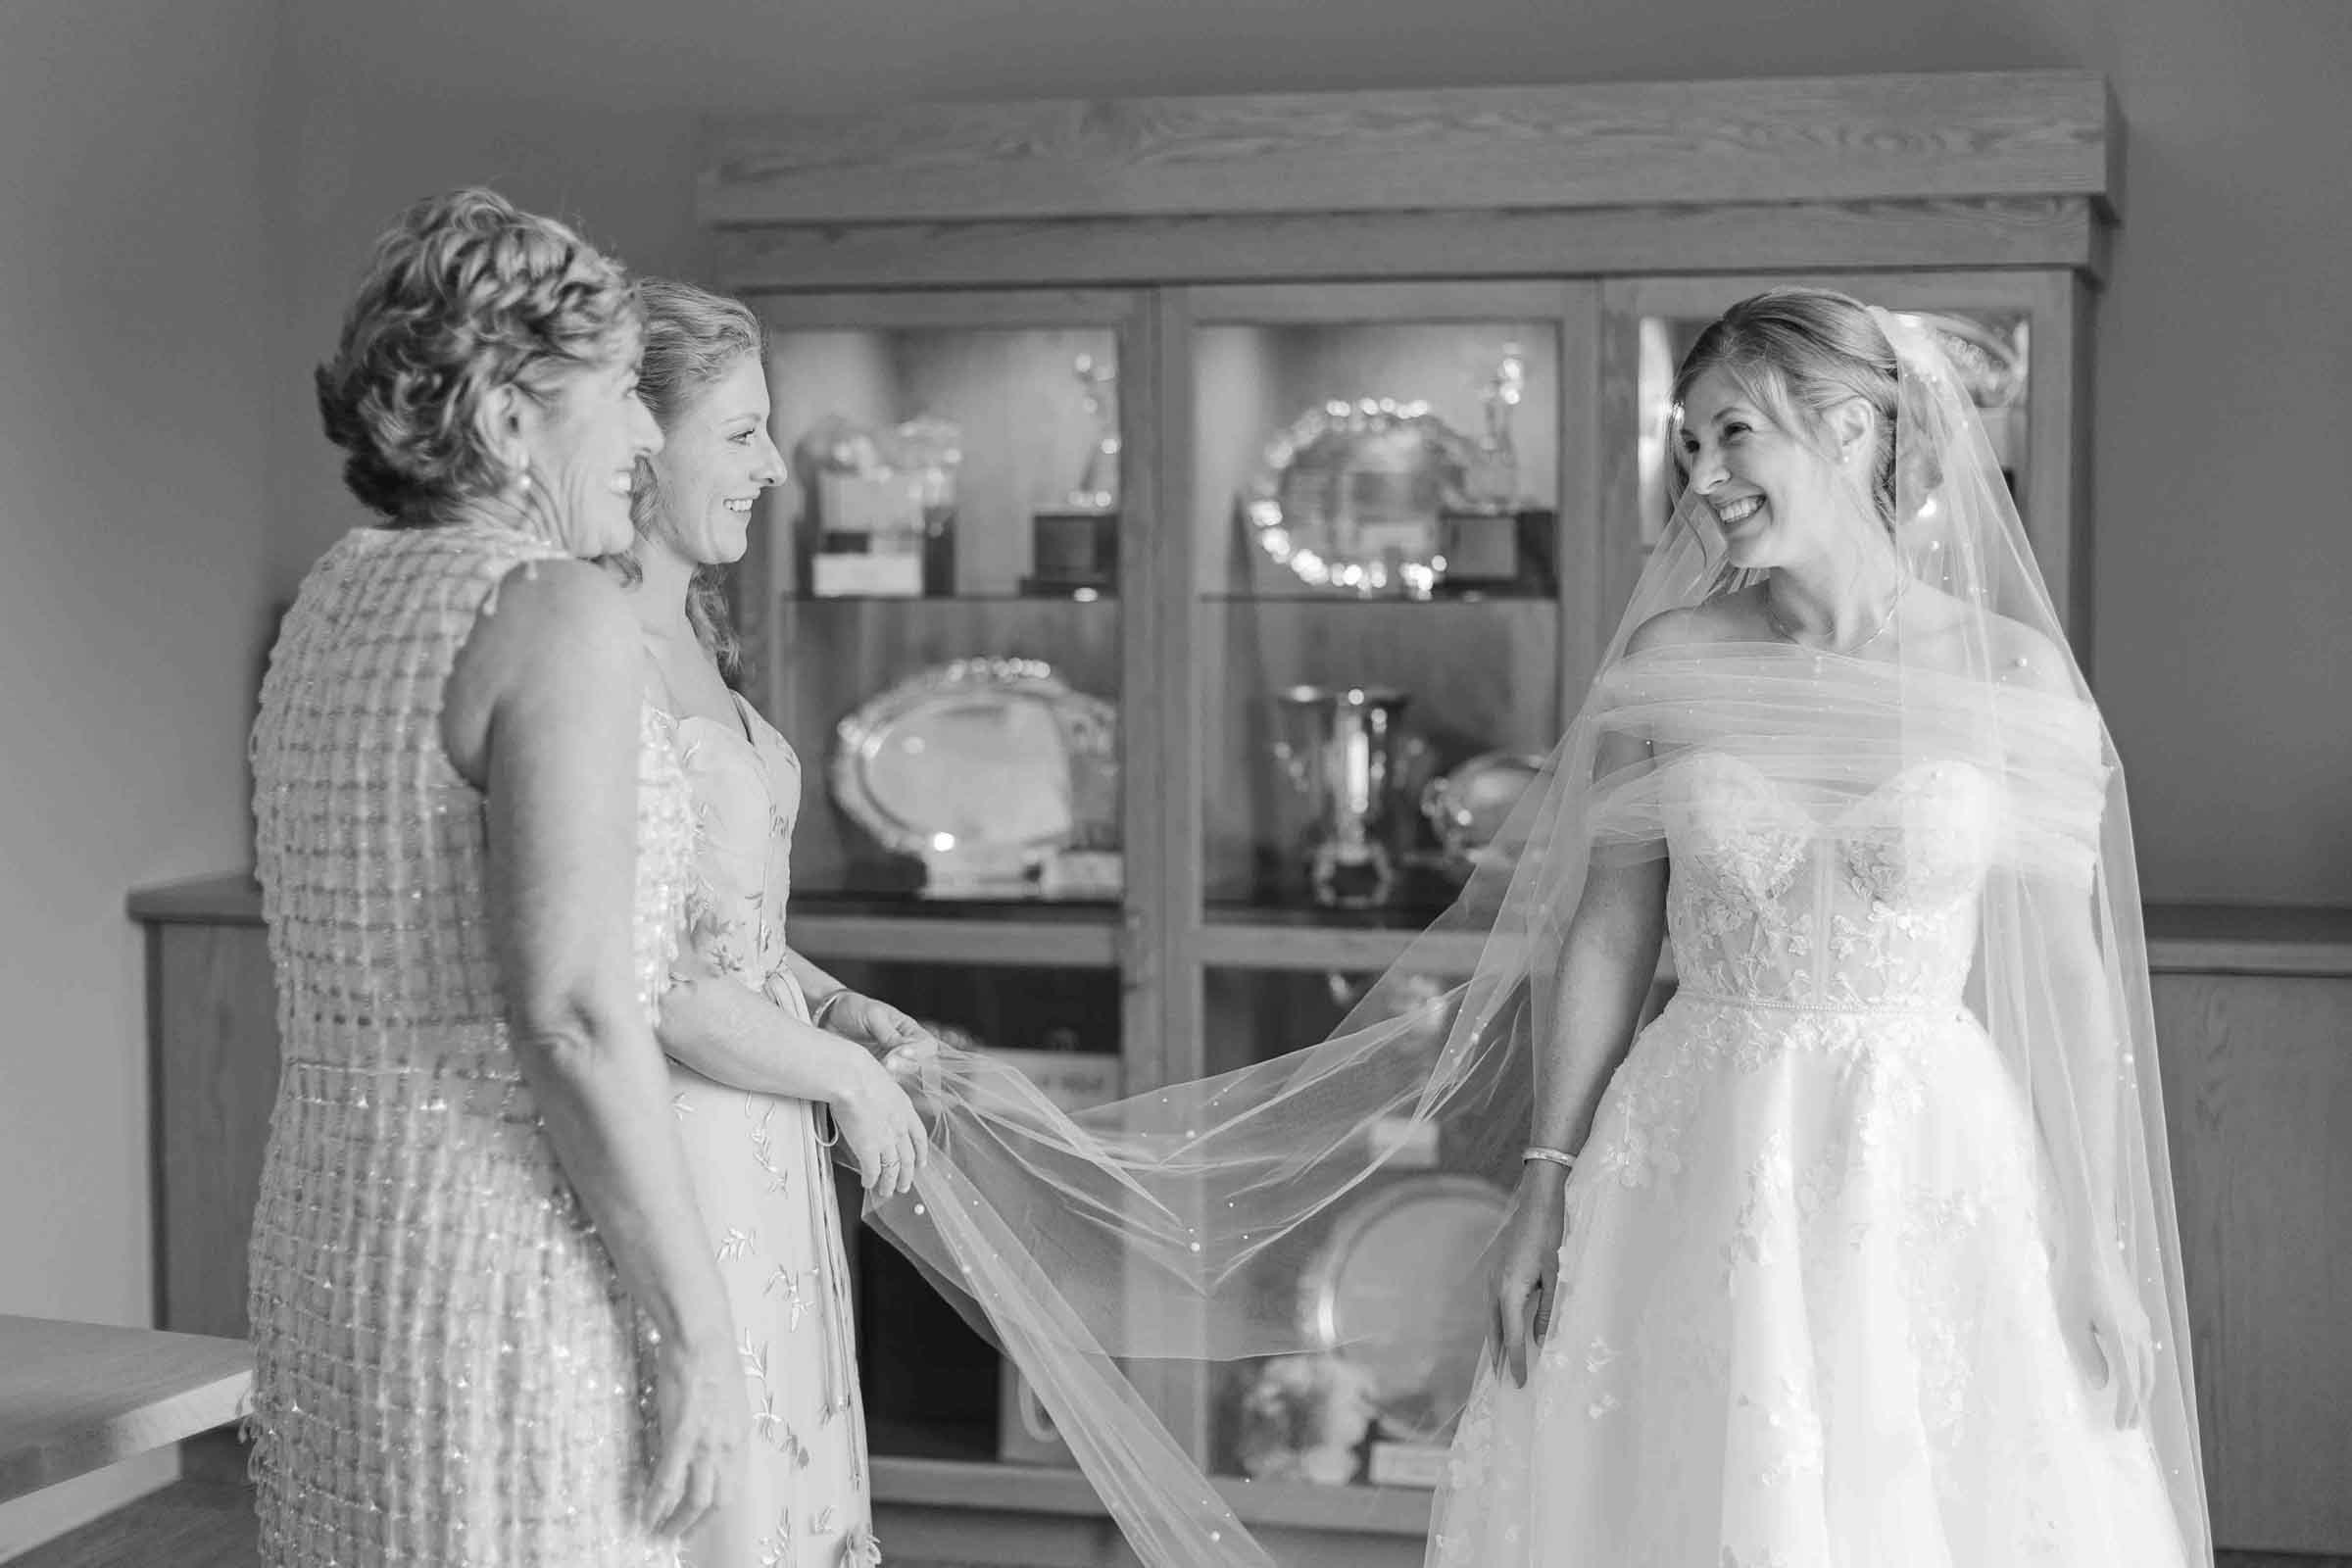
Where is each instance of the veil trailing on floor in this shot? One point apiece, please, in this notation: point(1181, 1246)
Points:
point(1129, 1243)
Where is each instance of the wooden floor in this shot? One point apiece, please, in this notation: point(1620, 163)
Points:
point(193, 1524)
point(209, 1524)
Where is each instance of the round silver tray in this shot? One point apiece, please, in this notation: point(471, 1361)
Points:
point(1348, 496)
point(983, 758)
point(1366, 1294)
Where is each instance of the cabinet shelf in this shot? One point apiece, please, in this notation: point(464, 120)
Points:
point(1443, 599)
point(1076, 597)
point(1036, 932)
point(998, 1487)
point(1277, 937)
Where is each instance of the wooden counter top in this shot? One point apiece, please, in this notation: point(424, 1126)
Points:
point(79, 1397)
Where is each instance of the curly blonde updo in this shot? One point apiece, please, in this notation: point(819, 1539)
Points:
point(465, 295)
point(1797, 353)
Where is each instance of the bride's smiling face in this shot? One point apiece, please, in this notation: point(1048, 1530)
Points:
point(1775, 494)
point(717, 459)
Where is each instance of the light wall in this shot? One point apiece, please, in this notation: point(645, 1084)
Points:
point(135, 284)
point(2222, 568)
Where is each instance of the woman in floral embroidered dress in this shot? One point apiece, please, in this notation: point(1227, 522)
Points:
point(758, 1067)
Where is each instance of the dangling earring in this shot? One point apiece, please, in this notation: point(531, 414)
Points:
point(527, 509)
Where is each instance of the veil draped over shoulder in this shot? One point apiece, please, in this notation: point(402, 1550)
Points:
point(1164, 1228)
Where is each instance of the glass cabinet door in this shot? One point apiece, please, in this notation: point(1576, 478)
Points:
point(933, 1388)
point(935, 619)
point(1393, 540)
point(937, 598)
point(1389, 536)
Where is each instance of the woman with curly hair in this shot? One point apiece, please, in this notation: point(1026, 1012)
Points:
point(487, 1329)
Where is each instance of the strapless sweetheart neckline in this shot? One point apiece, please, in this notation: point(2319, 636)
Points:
point(1905, 779)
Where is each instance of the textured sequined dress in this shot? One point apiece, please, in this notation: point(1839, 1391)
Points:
point(764, 1185)
point(448, 1372)
point(1806, 1316)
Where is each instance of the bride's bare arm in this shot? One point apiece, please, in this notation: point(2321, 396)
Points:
point(2074, 1086)
point(1607, 959)
point(2074, 1083)
point(1606, 967)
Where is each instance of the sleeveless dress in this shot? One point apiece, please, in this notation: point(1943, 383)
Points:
point(764, 1185)
point(447, 1369)
point(1806, 1313)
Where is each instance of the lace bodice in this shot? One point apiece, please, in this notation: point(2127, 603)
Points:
point(1874, 907)
point(745, 780)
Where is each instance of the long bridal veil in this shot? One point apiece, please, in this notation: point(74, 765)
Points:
point(1166, 1230)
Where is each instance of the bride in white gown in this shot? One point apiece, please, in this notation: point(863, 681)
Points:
point(1824, 1270)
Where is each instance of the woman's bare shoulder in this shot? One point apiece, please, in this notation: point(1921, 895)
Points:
point(2016, 654)
point(1725, 618)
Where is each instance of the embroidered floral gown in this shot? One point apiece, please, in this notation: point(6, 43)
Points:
point(1805, 1316)
point(764, 1185)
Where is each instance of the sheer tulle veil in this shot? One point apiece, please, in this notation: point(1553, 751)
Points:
point(1163, 1228)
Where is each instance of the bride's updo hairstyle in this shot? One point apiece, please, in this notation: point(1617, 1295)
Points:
point(1797, 352)
point(693, 338)
point(463, 295)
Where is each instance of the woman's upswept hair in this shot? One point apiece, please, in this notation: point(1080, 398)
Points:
point(465, 294)
point(692, 338)
point(1797, 353)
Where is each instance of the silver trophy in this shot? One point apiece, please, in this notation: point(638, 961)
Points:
point(1491, 483)
point(1099, 485)
point(1342, 751)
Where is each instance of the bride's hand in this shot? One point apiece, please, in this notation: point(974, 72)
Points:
point(1527, 1264)
point(2107, 1330)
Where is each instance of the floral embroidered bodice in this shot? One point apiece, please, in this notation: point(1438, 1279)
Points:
point(746, 784)
point(1874, 907)
point(763, 1184)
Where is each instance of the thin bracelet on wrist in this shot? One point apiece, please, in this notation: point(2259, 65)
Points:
point(1549, 1156)
point(825, 1003)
